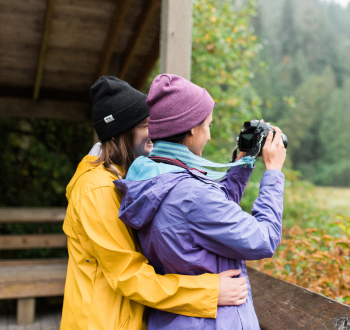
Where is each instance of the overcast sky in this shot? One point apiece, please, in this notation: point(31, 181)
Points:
point(343, 3)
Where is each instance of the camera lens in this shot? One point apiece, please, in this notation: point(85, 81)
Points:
point(285, 140)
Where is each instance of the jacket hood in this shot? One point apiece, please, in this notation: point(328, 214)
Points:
point(147, 184)
point(142, 199)
point(145, 187)
point(84, 166)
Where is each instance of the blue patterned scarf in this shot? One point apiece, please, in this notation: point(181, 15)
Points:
point(183, 154)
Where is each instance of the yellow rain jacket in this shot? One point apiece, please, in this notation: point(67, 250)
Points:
point(109, 281)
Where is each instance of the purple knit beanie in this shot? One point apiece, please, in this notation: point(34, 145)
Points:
point(175, 106)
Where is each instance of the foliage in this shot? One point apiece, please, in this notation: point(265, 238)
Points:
point(314, 260)
point(303, 205)
point(224, 45)
point(38, 159)
point(302, 76)
point(315, 248)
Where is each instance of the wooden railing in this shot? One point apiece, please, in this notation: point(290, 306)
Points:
point(285, 306)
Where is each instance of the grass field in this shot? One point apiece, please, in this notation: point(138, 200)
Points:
point(314, 207)
point(334, 198)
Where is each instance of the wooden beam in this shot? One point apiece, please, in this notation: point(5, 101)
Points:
point(148, 64)
point(32, 214)
point(118, 18)
point(50, 94)
point(43, 48)
point(32, 262)
point(140, 31)
point(29, 289)
point(28, 108)
point(18, 242)
point(176, 37)
point(31, 281)
point(285, 306)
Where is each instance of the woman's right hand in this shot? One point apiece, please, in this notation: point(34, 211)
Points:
point(232, 291)
point(274, 152)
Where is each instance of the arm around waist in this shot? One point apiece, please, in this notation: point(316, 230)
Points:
point(127, 271)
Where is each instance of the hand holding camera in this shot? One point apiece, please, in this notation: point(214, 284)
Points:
point(274, 151)
point(257, 136)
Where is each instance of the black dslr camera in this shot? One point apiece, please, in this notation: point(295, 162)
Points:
point(253, 136)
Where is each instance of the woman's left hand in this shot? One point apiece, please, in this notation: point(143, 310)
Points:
point(241, 155)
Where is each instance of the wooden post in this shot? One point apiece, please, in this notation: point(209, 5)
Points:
point(176, 37)
point(25, 311)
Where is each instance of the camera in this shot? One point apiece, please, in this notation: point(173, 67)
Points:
point(253, 136)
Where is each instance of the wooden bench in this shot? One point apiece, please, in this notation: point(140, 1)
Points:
point(25, 280)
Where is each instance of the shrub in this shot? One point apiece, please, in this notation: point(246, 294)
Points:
point(314, 259)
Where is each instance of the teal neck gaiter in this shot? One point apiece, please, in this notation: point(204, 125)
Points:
point(183, 154)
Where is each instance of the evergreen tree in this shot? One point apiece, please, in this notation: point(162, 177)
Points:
point(306, 59)
point(287, 32)
point(334, 167)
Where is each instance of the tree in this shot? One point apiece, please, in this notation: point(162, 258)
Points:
point(306, 58)
point(334, 167)
point(224, 45)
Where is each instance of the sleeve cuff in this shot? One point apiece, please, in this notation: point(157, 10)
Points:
point(240, 171)
point(272, 178)
point(212, 309)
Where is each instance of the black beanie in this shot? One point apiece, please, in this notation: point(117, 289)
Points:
point(116, 107)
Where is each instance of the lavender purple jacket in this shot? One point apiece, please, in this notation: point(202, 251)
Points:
point(189, 224)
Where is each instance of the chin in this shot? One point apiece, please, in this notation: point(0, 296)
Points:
point(148, 149)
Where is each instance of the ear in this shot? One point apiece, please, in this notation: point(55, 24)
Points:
point(191, 131)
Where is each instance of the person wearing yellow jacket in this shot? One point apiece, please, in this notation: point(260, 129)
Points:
point(109, 281)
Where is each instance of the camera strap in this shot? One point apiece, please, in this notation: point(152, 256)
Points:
point(175, 162)
point(234, 154)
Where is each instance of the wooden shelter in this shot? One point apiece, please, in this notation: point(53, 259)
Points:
point(51, 53)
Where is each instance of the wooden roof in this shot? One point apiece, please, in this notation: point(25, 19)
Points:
point(55, 50)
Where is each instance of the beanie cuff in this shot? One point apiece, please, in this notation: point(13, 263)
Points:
point(109, 126)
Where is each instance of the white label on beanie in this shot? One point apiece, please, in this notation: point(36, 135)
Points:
point(108, 119)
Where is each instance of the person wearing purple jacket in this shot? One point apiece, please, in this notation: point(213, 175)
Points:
point(187, 222)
